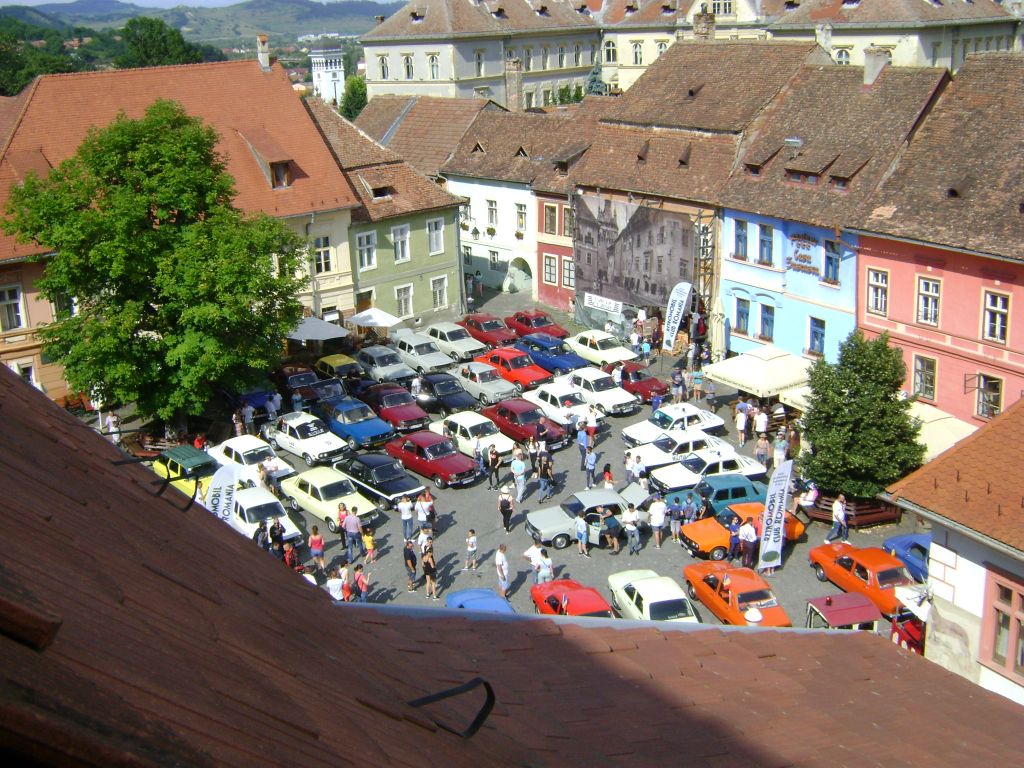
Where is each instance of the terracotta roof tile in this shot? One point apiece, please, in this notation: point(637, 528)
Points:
point(645, 13)
point(878, 12)
point(432, 18)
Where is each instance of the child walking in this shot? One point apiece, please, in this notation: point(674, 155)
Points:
point(369, 544)
point(471, 551)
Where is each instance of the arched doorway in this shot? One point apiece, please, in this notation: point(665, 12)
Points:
point(519, 278)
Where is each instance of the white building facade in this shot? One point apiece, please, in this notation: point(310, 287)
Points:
point(327, 65)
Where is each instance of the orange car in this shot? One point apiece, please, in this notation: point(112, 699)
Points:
point(871, 571)
point(710, 537)
point(735, 595)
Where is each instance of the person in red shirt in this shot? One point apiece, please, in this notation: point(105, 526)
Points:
point(291, 557)
point(316, 548)
point(200, 442)
point(362, 583)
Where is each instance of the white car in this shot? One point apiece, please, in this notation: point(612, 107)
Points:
point(643, 595)
point(422, 354)
point(597, 388)
point(465, 427)
point(599, 348)
point(454, 341)
point(674, 444)
point(304, 435)
point(247, 452)
point(484, 383)
point(673, 416)
point(383, 364)
point(552, 399)
point(694, 467)
point(255, 504)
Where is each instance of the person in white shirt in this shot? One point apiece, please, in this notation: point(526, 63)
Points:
point(657, 511)
point(617, 375)
point(501, 565)
point(335, 586)
point(545, 568)
point(748, 542)
point(631, 524)
point(534, 557)
point(840, 530)
point(405, 510)
point(761, 421)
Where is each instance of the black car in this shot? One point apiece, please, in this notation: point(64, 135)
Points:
point(443, 393)
point(378, 476)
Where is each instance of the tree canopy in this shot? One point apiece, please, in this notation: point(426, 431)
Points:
point(859, 427)
point(175, 290)
point(354, 98)
point(150, 42)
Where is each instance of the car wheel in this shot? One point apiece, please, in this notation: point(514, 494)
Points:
point(332, 526)
point(561, 541)
point(519, 388)
point(691, 591)
point(308, 459)
point(380, 380)
point(293, 503)
point(385, 504)
point(250, 483)
point(820, 573)
point(718, 553)
point(439, 482)
point(353, 444)
point(559, 371)
point(445, 413)
point(274, 445)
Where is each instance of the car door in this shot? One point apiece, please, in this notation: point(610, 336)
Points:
point(917, 558)
point(842, 576)
point(302, 492)
point(632, 603)
point(710, 593)
point(594, 526)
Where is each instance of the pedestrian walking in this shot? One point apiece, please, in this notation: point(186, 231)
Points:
point(248, 416)
point(335, 586)
point(422, 509)
point(406, 511)
point(634, 341)
point(113, 424)
point(532, 554)
point(840, 530)
point(631, 524)
point(238, 423)
point(582, 534)
point(678, 388)
point(494, 468)
point(340, 527)
point(316, 548)
point(501, 566)
point(480, 454)
point(690, 509)
point(657, 512)
point(409, 560)
point(741, 426)
point(734, 537)
point(582, 443)
point(506, 506)
point(760, 421)
point(656, 401)
point(590, 463)
point(627, 467)
point(532, 451)
point(617, 374)
point(518, 468)
point(645, 351)
point(698, 385)
point(748, 542)
point(545, 568)
point(478, 283)
point(297, 402)
point(606, 477)
point(471, 551)
point(369, 545)
point(547, 479)
point(675, 518)
point(361, 583)
point(430, 571)
point(709, 392)
point(779, 449)
point(592, 424)
point(762, 449)
point(353, 534)
point(271, 409)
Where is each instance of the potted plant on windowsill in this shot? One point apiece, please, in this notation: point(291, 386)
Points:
point(465, 226)
point(491, 231)
point(519, 235)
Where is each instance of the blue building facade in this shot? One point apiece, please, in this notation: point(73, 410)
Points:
point(786, 283)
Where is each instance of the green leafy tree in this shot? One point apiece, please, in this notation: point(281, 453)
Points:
point(354, 98)
point(176, 290)
point(859, 427)
point(151, 43)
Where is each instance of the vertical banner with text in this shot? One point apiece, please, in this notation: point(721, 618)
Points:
point(678, 305)
point(773, 523)
point(220, 496)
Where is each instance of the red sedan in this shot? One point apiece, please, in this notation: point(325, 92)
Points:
point(396, 406)
point(566, 597)
point(529, 321)
point(520, 420)
point(433, 456)
point(637, 381)
point(487, 329)
point(516, 367)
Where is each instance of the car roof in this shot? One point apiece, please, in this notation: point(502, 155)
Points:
point(320, 475)
point(530, 312)
point(476, 366)
point(590, 373)
point(434, 377)
point(595, 496)
point(744, 579)
point(657, 587)
point(244, 443)
point(377, 349)
point(385, 386)
point(846, 608)
point(416, 338)
point(558, 388)
point(875, 558)
point(344, 402)
point(924, 539)
point(504, 352)
point(250, 497)
point(188, 456)
point(293, 370)
point(421, 437)
point(596, 334)
point(336, 360)
point(726, 480)
point(675, 410)
point(374, 459)
point(445, 327)
point(466, 418)
point(518, 405)
point(686, 433)
point(480, 316)
point(299, 417)
point(544, 339)
point(712, 454)
point(672, 472)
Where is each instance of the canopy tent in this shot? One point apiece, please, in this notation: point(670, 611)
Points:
point(374, 318)
point(762, 372)
point(315, 329)
point(939, 430)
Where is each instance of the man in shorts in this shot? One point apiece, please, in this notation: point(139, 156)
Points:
point(501, 565)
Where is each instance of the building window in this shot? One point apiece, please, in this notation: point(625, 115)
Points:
point(878, 292)
point(492, 213)
point(568, 273)
point(721, 7)
point(11, 316)
point(366, 246)
point(65, 306)
point(577, 55)
point(529, 99)
point(764, 252)
point(510, 53)
point(467, 255)
point(527, 59)
point(662, 47)
point(924, 377)
point(382, 67)
point(610, 54)
point(990, 396)
point(568, 222)
point(547, 96)
point(493, 261)
point(817, 337)
point(928, 301)
point(439, 291)
point(550, 220)
point(435, 68)
point(842, 56)
point(550, 269)
point(638, 54)
point(742, 316)
point(403, 300)
point(997, 314)
point(479, 56)
point(407, 63)
point(1002, 631)
point(400, 240)
point(279, 175)
point(435, 236)
point(520, 217)
point(544, 57)
point(593, 54)
point(832, 262)
point(740, 247)
point(321, 255)
point(561, 57)
point(767, 322)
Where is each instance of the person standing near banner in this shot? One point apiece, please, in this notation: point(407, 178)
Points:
point(748, 542)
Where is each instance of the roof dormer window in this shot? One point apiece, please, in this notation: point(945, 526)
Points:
point(521, 152)
point(280, 175)
point(840, 183)
point(691, 93)
point(851, 3)
point(630, 8)
point(753, 169)
point(383, 193)
point(478, 147)
point(684, 157)
point(417, 14)
point(499, 13)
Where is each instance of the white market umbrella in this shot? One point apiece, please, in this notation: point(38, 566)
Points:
point(315, 329)
point(717, 330)
point(763, 372)
point(374, 318)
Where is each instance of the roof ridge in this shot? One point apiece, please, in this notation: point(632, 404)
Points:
point(116, 72)
point(389, 134)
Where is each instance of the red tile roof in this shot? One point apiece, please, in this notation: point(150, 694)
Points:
point(447, 18)
point(977, 482)
point(878, 13)
point(252, 111)
point(645, 13)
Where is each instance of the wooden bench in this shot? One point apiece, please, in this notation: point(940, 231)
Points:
point(858, 513)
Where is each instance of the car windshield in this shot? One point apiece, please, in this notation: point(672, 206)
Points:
point(694, 463)
point(440, 450)
point(666, 443)
point(388, 472)
point(263, 512)
point(598, 614)
point(426, 349)
point(302, 379)
point(661, 419)
point(458, 335)
point(521, 361)
point(447, 387)
point(894, 577)
point(389, 358)
point(492, 325)
point(572, 506)
point(483, 429)
point(540, 320)
point(758, 598)
point(485, 376)
point(356, 415)
point(311, 429)
point(336, 490)
point(602, 383)
point(329, 388)
point(256, 455)
point(667, 610)
point(396, 399)
point(530, 417)
point(561, 349)
point(607, 344)
point(637, 376)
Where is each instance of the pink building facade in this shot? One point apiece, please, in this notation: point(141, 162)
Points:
point(556, 266)
point(957, 316)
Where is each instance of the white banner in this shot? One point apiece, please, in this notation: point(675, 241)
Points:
point(678, 305)
point(594, 301)
point(220, 496)
point(773, 522)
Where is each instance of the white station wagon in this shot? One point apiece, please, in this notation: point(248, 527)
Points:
point(422, 354)
point(674, 416)
point(673, 445)
point(597, 388)
point(454, 341)
point(466, 427)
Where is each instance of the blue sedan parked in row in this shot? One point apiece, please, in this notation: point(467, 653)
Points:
point(912, 549)
point(354, 422)
point(550, 353)
point(477, 599)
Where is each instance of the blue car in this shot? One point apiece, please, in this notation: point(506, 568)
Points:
point(354, 422)
point(483, 600)
point(912, 549)
point(550, 353)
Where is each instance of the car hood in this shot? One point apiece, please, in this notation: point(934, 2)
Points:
point(324, 443)
point(652, 455)
point(502, 443)
point(454, 464)
point(399, 371)
point(643, 432)
point(530, 373)
point(369, 428)
point(675, 476)
point(616, 396)
point(568, 361)
point(469, 345)
point(404, 484)
point(704, 532)
point(404, 412)
point(458, 400)
point(649, 385)
point(771, 617)
point(435, 360)
point(501, 336)
point(550, 520)
point(499, 387)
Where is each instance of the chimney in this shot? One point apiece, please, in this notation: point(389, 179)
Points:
point(875, 60)
point(514, 84)
point(263, 52)
point(704, 25)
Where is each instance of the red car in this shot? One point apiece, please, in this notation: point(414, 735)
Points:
point(566, 597)
point(637, 381)
point(519, 419)
point(396, 406)
point(296, 378)
point(487, 329)
point(433, 456)
point(516, 367)
point(530, 321)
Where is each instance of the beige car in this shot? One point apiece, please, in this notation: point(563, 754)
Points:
point(320, 490)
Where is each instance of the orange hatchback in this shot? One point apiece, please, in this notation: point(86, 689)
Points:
point(735, 595)
point(871, 571)
point(710, 537)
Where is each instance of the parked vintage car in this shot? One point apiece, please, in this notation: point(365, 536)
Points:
point(320, 490)
point(528, 321)
point(467, 427)
point(396, 406)
point(252, 505)
point(379, 477)
point(736, 596)
point(710, 537)
point(912, 550)
point(561, 403)
point(421, 354)
point(189, 469)
point(247, 452)
point(434, 456)
point(515, 367)
point(722, 460)
point(723, 490)
point(488, 330)
point(637, 381)
point(303, 434)
point(550, 353)
point(290, 379)
point(643, 595)
point(673, 416)
point(354, 422)
point(454, 341)
point(443, 393)
point(598, 389)
point(671, 446)
point(484, 382)
point(599, 348)
point(567, 597)
point(327, 388)
point(519, 419)
point(870, 570)
point(338, 367)
point(478, 599)
point(383, 364)
point(557, 525)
